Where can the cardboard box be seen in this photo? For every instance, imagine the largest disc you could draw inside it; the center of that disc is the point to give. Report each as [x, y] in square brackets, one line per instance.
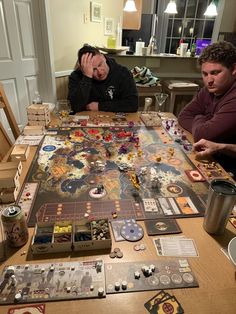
[98, 242]
[9, 195]
[47, 240]
[34, 130]
[20, 152]
[9, 165]
[9, 178]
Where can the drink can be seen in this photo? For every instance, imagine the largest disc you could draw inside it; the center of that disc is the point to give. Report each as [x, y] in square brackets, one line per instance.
[14, 225]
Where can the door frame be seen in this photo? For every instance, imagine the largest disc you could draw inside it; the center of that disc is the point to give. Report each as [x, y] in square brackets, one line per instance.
[44, 47]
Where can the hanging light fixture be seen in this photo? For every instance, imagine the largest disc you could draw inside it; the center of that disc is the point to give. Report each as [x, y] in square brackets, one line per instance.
[171, 8]
[130, 6]
[211, 9]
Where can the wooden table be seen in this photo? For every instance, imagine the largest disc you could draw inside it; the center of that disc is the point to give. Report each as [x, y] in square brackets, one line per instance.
[215, 273]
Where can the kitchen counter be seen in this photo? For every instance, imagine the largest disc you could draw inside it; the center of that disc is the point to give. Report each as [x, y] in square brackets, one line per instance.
[165, 66]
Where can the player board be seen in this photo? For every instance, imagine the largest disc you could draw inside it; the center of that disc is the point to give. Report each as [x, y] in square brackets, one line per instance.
[149, 275]
[135, 172]
[51, 282]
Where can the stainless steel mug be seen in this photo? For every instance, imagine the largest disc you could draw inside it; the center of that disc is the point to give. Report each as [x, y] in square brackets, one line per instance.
[221, 200]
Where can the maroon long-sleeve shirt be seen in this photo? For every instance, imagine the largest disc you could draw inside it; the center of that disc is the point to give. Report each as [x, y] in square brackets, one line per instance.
[211, 117]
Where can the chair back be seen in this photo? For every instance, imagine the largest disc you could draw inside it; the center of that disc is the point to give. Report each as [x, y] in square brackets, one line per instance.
[5, 142]
[4, 104]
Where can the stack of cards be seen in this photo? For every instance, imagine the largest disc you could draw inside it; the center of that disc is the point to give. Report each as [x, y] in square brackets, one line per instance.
[164, 303]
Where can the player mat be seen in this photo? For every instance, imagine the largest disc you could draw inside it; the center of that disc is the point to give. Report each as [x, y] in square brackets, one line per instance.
[125, 163]
[149, 275]
[52, 282]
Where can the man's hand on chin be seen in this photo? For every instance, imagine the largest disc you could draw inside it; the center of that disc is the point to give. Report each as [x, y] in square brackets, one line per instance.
[93, 106]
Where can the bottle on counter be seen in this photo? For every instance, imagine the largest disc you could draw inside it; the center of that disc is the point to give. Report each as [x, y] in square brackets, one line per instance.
[37, 98]
[193, 50]
[178, 48]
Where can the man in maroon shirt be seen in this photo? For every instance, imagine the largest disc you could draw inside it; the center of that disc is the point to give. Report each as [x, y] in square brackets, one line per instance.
[211, 115]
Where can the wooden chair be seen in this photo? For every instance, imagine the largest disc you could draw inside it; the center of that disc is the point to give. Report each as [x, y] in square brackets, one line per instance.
[5, 142]
[4, 104]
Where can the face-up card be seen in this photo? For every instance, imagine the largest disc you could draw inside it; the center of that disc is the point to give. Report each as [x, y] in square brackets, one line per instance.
[186, 205]
[167, 306]
[116, 227]
[162, 226]
[195, 176]
[161, 296]
[29, 309]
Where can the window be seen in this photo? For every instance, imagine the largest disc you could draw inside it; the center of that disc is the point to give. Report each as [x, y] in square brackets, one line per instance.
[189, 24]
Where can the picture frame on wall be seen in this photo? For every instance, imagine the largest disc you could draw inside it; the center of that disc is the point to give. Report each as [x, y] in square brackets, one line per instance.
[108, 26]
[96, 12]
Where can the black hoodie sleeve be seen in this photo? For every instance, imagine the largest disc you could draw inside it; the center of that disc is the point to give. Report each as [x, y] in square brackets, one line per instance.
[79, 90]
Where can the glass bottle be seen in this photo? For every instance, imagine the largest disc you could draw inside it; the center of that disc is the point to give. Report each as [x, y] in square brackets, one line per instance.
[37, 98]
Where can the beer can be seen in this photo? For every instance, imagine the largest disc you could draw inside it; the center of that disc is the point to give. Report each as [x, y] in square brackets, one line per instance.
[14, 226]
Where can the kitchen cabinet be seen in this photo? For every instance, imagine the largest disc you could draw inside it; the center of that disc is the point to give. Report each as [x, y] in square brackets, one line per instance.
[132, 20]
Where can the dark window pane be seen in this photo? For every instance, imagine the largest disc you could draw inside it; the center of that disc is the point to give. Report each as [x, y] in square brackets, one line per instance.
[167, 45]
[180, 4]
[208, 29]
[177, 30]
[191, 8]
[169, 30]
[203, 4]
[174, 45]
[198, 29]
[188, 28]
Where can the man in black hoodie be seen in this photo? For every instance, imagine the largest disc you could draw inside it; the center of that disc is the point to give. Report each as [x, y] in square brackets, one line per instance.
[99, 83]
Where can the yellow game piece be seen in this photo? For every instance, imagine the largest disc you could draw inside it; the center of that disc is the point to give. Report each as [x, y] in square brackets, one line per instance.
[208, 174]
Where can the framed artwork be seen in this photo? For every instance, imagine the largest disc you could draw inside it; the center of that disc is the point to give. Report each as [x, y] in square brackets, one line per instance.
[96, 12]
[108, 26]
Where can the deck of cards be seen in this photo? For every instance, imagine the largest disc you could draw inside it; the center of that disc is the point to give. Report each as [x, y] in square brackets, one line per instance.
[164, 303]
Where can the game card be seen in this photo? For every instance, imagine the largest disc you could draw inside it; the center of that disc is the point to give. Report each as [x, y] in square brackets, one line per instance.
[175, 246]
[186, 205]
[168, 206]
[161, 296]
[167, 306]
[162, 226]
[29, 309]
[116, 227]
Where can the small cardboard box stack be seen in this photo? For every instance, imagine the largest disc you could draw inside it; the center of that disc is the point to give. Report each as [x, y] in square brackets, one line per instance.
[33, 130]
[38, 114]
[9, 181]
[20, 152]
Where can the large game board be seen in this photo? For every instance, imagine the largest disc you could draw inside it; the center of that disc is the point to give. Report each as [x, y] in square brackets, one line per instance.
[151, 275]
[51, 282]
[141, 171]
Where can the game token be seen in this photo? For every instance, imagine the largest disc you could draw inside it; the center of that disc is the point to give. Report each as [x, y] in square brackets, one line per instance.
[112, 255]
[137, 247]
[119, 254]
[142, 247]
[132, 232]
[116, 250]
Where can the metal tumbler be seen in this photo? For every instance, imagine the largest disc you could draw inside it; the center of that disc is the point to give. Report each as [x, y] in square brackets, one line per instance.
[220, 202]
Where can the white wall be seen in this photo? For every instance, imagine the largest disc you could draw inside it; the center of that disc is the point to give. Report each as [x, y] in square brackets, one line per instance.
[70, 31]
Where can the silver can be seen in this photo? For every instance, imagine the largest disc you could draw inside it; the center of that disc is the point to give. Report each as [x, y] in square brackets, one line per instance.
[220, 202]
[14, 226]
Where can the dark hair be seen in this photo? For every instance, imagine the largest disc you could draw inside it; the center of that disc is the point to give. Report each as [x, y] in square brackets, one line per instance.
[87, 49]
[221, 52]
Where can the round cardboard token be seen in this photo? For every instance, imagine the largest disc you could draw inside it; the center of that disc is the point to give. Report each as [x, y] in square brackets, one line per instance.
[131, 232]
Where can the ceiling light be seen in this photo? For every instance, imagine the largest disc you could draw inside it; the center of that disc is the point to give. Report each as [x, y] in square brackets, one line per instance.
[211, 9]
[130, 6]
[171, 8]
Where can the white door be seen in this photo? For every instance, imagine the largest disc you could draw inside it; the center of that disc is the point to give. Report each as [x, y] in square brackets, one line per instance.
[23, 55]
